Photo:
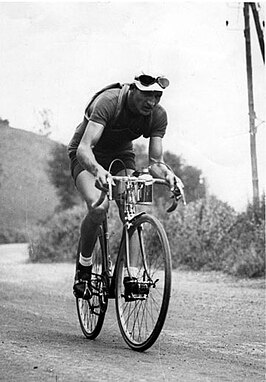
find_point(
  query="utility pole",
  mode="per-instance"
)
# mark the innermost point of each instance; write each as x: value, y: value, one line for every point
x: 252, y: 115
x: 258, y: 29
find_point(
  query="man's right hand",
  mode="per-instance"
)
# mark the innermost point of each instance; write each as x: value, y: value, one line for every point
x: 102, y: 178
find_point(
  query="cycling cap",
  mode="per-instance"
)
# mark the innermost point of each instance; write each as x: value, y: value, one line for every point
x: 145, y: 82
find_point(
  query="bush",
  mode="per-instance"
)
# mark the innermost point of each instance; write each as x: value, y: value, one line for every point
x: 206, y: 234
x: 244, y: 247
x: 197, y: 230
x: 57, y: 238
x: 244, y: 262
x: 8, y: 236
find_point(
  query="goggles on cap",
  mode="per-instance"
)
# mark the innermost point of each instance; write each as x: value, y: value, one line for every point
x: 147, y: 80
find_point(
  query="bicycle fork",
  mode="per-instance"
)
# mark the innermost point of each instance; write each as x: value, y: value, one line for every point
x: 137, y: 288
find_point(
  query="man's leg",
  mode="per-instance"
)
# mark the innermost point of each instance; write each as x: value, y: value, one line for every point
x: 85, y: 184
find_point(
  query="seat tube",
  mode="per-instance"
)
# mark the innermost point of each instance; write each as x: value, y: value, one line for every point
x: 107, y: 257
x: 127, y: 249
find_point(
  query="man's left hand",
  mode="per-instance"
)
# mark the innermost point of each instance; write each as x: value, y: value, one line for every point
x: 174, y: 181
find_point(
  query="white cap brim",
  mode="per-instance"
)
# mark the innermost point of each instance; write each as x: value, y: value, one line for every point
x: 150, y: 88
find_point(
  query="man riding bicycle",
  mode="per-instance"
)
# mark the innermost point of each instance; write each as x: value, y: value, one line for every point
x: 113, y: 119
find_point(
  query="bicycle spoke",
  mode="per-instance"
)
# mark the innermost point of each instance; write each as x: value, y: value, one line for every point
x: 91, y: 313
x: 141, y: 313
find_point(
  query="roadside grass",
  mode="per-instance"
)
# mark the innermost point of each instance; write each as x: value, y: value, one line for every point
x: 205, y: 235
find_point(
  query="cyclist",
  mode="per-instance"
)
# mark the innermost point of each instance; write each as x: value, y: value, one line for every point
x: 102, y: 137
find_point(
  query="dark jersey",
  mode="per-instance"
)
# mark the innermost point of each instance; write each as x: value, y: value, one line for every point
x: 118, y: 136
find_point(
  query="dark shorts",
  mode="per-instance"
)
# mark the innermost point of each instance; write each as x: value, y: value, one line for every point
x: 105, y: 160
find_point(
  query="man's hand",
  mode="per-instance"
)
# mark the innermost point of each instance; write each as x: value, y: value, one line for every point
x: 174, y: 181
x: 177, y: 188
x: 102, y: 178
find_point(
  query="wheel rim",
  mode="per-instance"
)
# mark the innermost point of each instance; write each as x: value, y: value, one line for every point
x: 141, y: 320
x: 91, y: 312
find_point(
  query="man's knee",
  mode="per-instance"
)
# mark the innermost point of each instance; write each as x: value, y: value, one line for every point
x: 97, y: 215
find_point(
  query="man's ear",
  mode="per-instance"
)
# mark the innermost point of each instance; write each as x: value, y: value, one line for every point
x: 132, y: 87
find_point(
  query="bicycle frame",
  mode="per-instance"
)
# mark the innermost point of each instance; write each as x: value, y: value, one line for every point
x: 129, y: 205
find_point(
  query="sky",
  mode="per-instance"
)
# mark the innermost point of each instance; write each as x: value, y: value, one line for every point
x: 56, y: 55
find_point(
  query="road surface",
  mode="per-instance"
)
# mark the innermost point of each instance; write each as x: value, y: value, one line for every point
x: 215, y: 330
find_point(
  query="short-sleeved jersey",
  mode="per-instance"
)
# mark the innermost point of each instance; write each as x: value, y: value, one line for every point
x: 118, y: 136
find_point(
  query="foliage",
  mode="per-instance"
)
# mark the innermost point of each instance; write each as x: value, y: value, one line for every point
x: 44, y: 124
x: 206, y: 234
x: 57, y: 238
x: 4, y: 122
x: 60, y: 176
x: 197, y: 231
x: 8, y: 235
x: 247, y: 243
x: 192, y: 178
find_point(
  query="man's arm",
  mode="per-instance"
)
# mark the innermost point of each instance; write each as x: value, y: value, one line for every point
x: 155, y: 150
x: 160, y: 170
x: 85, y: 154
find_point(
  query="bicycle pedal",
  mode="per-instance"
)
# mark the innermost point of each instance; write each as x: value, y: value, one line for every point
x: 136, y: 288
x: 87, y: 293
x: 134, y: 297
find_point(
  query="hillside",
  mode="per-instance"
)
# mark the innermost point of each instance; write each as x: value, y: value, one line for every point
x: 26, y: 194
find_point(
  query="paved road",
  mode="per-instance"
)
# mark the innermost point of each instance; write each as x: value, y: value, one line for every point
x: 214, y: 331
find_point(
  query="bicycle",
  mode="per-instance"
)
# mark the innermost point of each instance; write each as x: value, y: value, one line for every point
x: 141, y: 298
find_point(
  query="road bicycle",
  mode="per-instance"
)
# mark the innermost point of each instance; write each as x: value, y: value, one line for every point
x: 140, y: 280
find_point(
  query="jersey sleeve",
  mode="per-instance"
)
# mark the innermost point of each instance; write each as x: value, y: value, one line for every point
x: 103, y: 108
x: 159, y: 122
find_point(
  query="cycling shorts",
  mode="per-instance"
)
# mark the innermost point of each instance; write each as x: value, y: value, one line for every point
x: 127, y: 157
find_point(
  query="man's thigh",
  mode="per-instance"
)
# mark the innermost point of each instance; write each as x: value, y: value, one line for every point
x: 85, y: 183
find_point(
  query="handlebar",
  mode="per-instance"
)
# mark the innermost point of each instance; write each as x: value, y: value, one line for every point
x: 177, y: 192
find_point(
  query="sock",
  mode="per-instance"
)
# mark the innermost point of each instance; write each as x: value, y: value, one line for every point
x: 85, y: 261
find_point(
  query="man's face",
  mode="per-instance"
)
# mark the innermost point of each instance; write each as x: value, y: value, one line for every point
x: 145, y: 101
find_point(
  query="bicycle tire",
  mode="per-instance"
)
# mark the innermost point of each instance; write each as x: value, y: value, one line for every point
x: 91, y: 313
x: 141, y: 320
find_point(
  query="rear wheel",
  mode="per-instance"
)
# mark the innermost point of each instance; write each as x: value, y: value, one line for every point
x: 142, y: 301
x: 91, y: 312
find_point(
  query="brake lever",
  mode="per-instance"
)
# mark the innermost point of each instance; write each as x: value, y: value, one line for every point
x: 102, y: 196
x: 173, y: 206
x: 178, y: 193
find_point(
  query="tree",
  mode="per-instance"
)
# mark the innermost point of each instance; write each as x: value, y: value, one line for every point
x: 195, y: 186
x: 4, y: 122
x: 60, y: 176
x: 44, y: 126
x: 194, y: 182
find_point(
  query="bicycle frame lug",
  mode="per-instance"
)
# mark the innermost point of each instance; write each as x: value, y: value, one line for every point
x: 128, y: 224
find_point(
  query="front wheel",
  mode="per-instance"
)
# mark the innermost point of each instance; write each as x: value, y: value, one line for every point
x: 91, y: 312
x: 142, y: 300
